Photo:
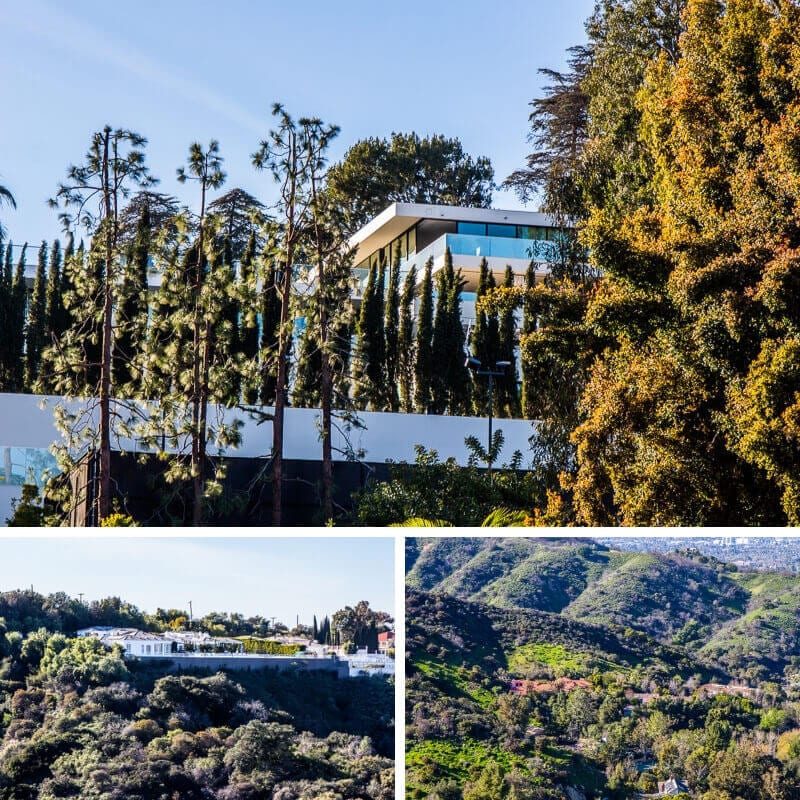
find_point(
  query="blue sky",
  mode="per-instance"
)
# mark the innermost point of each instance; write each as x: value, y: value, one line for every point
x: 183, y: 71
x: 278, y: 577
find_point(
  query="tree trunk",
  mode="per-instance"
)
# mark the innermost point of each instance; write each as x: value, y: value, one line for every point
x: 280, y: 396
x: 326, y: 388
x: 104, y: 476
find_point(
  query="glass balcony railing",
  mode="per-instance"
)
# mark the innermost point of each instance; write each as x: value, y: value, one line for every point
x: 500, y: 247
x: 462, y: 244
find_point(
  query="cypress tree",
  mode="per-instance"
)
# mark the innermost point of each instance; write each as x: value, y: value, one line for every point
x: 270, y: 324
x: 340, y: 361
x: 508, y: 395
x: 55, y: 312
x: 370, y: 345
x: 481, y: 344
x: 450, y: 380
x: 363, y: 327
x: 423, y: 364
x: 248, y: 323
x: 391, y: 332
x: 439, y: 346
x: 35, y: 330
x: 56, y: 320
x: 130, y: 341
x: 306, y: 391
x: 19, y: 301
x: 528, y: 328
x: 459, y: 395
x: 405, y: 343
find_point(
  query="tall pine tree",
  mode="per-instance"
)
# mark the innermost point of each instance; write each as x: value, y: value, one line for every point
x: 270, y: 325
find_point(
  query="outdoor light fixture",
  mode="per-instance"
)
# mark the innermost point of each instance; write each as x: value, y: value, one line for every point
x: 499, y: 370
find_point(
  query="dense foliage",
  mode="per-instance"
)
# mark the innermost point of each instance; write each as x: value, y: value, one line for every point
x: 442, y: 490
x: 611, y: 710
x: 435, y: 169
x: 669, y: 145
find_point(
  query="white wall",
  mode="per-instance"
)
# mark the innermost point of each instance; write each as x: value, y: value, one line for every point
x: 25, y: 423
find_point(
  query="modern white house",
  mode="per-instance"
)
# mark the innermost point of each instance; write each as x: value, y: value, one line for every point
x: 422, y: 231
x: 145, y: 644
x: 134, y: 642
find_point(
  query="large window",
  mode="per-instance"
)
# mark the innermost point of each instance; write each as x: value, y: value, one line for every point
x: 472, y: 228
x: 506, y: 231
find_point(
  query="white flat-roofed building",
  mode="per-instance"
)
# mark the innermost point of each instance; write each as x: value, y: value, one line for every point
x: 423, y: 231
x: 134, y: 642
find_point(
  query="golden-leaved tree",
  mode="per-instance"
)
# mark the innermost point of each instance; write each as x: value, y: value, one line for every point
x: 691, y: 413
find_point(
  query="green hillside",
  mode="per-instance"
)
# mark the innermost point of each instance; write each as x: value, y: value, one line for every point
x: 720, y: 615
x: 635, y: 673
x: 662, y: 594
x: 761, y: 642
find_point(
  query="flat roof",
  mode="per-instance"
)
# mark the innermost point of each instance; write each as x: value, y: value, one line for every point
x: 398, y: 217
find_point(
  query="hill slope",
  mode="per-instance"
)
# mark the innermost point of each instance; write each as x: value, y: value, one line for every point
x: 734, y: 621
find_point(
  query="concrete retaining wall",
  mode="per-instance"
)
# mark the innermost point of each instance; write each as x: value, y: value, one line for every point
x: 247, y: 663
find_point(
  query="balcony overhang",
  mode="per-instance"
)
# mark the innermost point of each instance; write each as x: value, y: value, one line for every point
x: 399, y: 217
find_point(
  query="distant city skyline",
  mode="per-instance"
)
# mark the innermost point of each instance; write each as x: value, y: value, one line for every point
x: 280, y: 577
x: 761, y: 551
x: 179, y: 72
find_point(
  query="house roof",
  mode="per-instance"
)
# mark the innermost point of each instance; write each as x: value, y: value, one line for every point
x: 131, y: 634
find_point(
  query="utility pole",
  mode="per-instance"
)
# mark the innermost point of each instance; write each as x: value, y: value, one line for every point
x: 498, y: 372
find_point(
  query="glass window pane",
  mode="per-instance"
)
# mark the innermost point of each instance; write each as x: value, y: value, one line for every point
x: 472, y: 228
x: 508, y: 231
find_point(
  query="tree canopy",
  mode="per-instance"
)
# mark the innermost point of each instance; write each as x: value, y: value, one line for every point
x: 376, y: 172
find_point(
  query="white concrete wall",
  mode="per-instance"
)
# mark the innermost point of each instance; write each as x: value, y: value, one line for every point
x: 27, y: 421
